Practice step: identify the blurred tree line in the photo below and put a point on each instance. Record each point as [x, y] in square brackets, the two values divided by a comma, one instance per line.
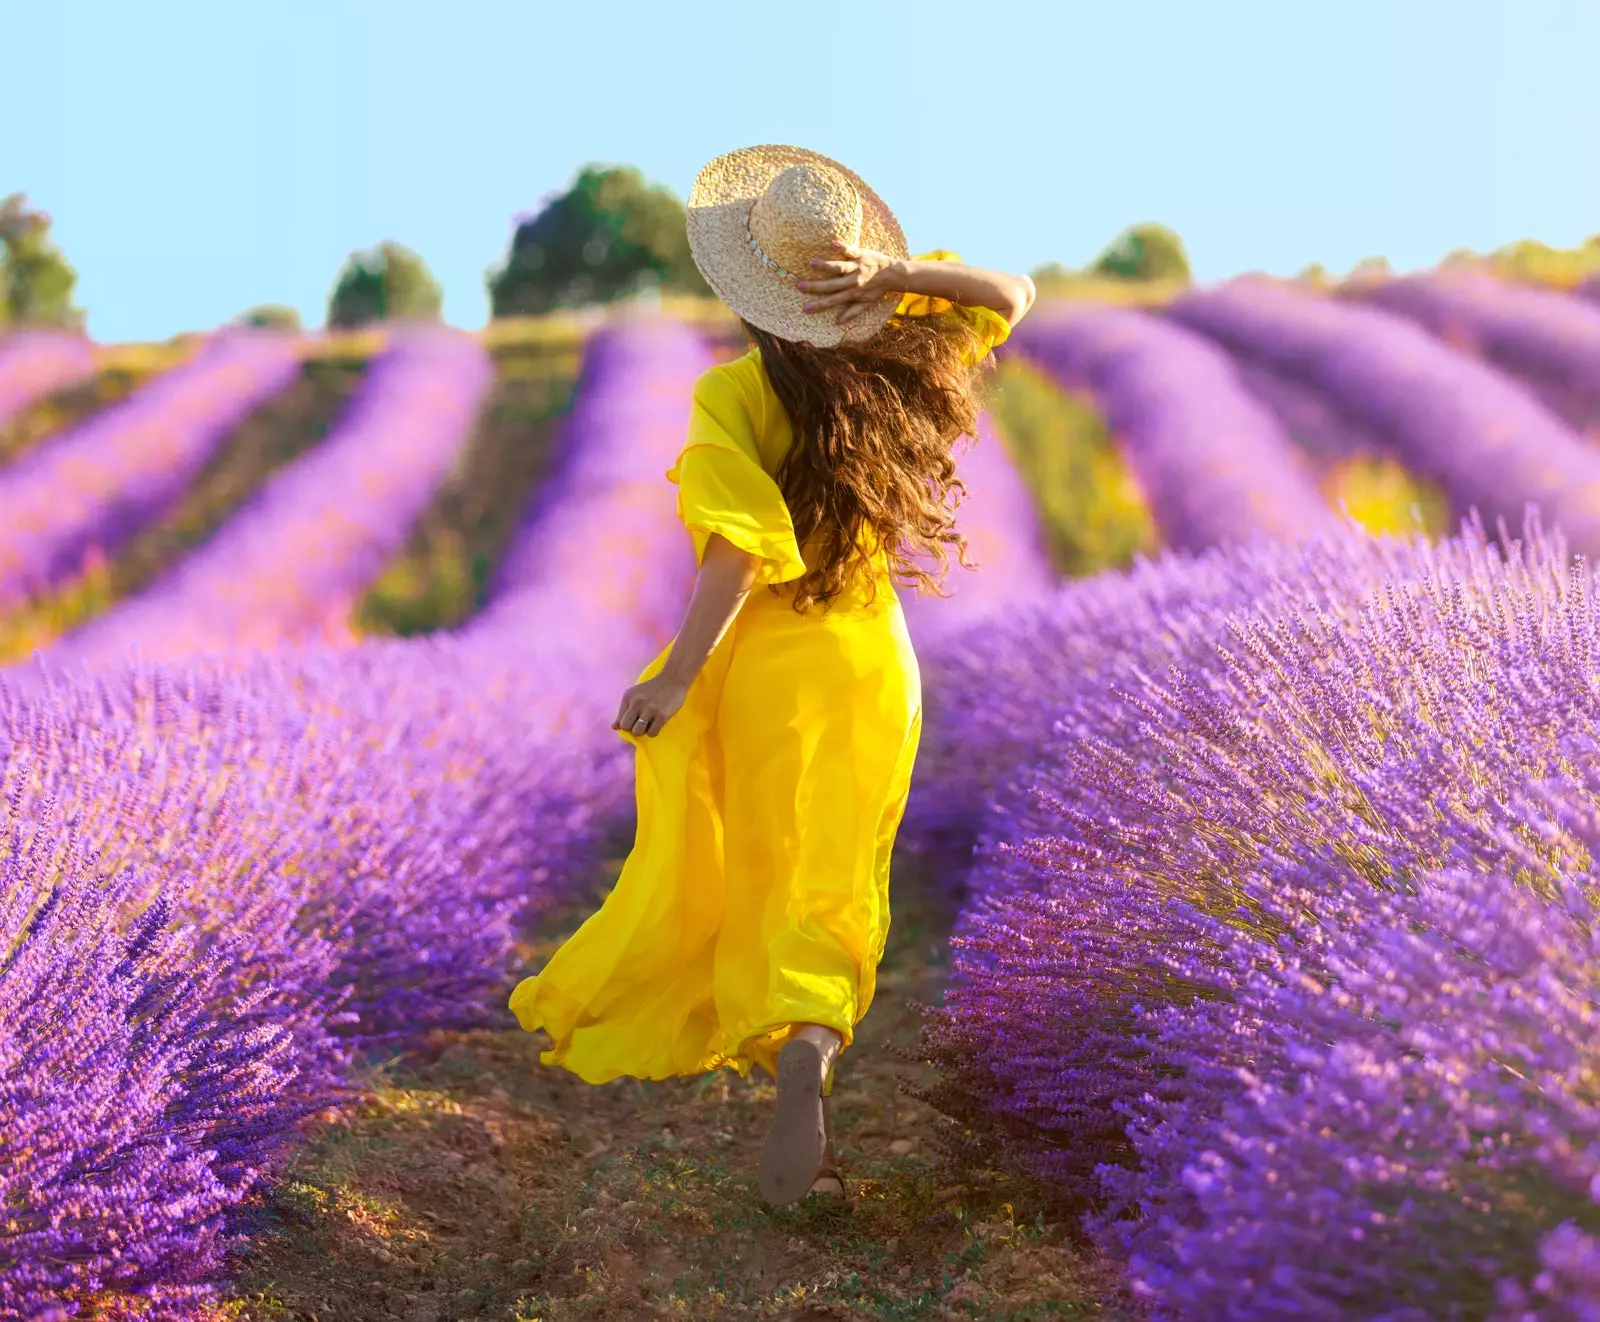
[613, 235]
[1528, 261]
[36, 283]
[610, 235]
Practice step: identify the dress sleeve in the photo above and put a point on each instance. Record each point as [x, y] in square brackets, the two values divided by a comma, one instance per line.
[723, 489]
[988, 325]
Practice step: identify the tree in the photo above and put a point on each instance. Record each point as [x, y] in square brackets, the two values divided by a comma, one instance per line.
[1145, 252]
[610, 235]
[36, 282]
[272, 316]
[386, 283]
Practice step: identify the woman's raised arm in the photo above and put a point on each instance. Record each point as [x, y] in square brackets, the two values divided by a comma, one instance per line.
[864, 275]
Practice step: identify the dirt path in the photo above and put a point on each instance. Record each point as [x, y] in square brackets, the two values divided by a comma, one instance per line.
[477, 1184]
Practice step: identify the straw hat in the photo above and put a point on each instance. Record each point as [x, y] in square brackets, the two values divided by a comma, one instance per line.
[758, 216]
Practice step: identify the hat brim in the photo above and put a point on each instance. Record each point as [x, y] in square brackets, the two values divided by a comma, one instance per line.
[719, 210]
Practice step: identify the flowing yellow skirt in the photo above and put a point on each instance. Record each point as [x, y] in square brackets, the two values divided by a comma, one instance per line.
[756, 896]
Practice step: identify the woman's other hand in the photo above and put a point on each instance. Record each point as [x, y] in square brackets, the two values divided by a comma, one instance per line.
[860, 277]
[647, 706]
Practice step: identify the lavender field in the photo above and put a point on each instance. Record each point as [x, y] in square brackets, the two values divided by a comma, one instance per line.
[1248, 881]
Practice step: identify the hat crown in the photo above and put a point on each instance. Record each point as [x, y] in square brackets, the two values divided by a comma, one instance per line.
[801, 213]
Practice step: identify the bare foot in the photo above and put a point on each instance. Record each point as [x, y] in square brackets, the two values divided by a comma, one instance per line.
[796, 1140]
[799, 1141]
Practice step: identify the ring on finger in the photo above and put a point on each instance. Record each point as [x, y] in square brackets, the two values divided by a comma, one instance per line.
[641, 725]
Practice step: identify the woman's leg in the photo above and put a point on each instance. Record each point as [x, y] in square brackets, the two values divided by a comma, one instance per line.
[798, 1137]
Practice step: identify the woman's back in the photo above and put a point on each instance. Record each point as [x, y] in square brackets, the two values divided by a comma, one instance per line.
[739, 436]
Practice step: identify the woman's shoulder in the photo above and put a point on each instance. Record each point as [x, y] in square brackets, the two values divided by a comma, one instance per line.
[742, 381]
[730, 394]
[742, 376]
[739, 395]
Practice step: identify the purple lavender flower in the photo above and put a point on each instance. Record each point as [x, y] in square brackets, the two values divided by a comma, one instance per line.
[93, 486]
[1487, 442]
[144, 1079]
[1004, 540]
[1284, 944]
[1379, 1111]
[1548, 340]
[1215, 466]
[33, 363]
[334, 849]
[110, 1165]
[602, 546]
[290, 565]
[366, 831]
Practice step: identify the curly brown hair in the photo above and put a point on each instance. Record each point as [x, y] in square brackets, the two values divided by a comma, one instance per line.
[875, 426]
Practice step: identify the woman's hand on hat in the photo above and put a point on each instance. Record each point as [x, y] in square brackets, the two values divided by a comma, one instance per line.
[858, 278]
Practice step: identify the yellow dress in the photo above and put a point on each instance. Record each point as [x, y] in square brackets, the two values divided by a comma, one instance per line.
[756, 896]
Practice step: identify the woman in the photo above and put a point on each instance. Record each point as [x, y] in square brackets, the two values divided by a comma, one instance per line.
[775, 736]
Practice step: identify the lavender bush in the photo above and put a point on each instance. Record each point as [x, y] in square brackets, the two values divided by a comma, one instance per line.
[1284, 956]
[1547, 339]
[143, 1087]
[289, 565]
[91, 487]
[1487, 442]
[996, 694]
[331, 850]
[363, 830]
[1214, 465]
[33, 363]
[1411, 1082]
[1006, 543]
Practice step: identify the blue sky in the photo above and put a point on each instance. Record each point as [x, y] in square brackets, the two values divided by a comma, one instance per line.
[202, 157]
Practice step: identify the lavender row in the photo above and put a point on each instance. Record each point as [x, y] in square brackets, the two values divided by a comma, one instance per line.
[601, 566]
[34, 363]
[1487, 442]
[1005, 541]
[1547, 339]
[1282, 949]
[95, 485]
[1325, 436]
[332, 849]
[289, 566]
[347, 844]
[1214, 465]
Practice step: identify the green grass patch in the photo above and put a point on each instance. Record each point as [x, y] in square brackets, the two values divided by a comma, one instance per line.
[1094, 514]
